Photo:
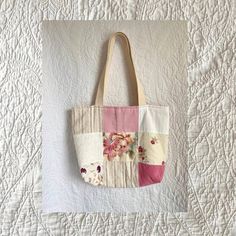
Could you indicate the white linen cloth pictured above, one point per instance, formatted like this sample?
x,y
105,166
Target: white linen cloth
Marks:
x,y
73,55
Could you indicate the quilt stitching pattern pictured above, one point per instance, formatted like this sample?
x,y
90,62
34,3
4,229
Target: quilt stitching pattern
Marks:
x,y
211,127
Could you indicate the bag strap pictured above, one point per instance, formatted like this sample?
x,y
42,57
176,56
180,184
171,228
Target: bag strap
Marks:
x,y
103,80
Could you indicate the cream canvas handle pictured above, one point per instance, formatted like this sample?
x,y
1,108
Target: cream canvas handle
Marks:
x,y
103,80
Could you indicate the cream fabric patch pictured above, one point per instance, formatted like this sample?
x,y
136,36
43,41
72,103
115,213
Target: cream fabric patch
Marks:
x,y
86,120
154,119
88,148
152,148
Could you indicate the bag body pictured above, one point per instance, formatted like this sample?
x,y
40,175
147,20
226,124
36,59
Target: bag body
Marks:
x,y
121,146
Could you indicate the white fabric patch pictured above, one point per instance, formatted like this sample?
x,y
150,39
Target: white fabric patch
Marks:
x,y
154,119
93,173
88,148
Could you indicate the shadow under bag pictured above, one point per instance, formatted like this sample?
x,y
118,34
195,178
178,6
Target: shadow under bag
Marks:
x,y
121,146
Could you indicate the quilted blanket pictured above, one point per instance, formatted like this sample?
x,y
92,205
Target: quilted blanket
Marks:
x,y
211,75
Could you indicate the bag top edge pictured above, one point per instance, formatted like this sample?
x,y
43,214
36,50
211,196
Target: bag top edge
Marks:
x,y
123,107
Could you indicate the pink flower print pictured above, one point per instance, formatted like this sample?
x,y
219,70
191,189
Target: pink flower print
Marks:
x,y
116,144
154,140
140,149
109,148
142,153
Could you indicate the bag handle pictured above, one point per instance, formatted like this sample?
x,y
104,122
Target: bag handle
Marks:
x,y
103,80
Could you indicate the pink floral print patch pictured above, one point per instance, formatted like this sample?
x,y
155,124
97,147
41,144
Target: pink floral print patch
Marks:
x,y
117,145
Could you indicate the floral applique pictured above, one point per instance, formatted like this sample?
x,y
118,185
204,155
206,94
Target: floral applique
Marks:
x,y
92,174
117,144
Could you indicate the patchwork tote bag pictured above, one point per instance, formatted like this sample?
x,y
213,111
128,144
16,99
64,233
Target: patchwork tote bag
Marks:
x,y
121,146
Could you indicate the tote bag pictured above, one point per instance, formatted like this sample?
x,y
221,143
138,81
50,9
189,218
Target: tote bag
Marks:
x,y
121,146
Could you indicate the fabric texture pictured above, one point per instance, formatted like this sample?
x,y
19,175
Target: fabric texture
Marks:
x,y
88,147
119,119
125,157
86,120
150,174
120,174
154,119
152,147
92,173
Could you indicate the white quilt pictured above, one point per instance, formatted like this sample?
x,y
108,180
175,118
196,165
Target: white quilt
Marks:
x,y
211,67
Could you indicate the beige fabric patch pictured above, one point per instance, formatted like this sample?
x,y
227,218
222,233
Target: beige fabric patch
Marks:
x,y
86,119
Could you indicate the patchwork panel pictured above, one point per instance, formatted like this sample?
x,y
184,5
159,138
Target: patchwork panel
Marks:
x,y
86,120
120,119
120,174
121,146
152,148
120,159
154,119
150,174
88,148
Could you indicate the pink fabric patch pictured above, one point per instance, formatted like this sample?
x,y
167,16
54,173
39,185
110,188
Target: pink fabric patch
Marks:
x,y
120,119
150,174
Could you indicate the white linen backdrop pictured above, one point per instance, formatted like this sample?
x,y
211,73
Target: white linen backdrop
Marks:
x,y
73,56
